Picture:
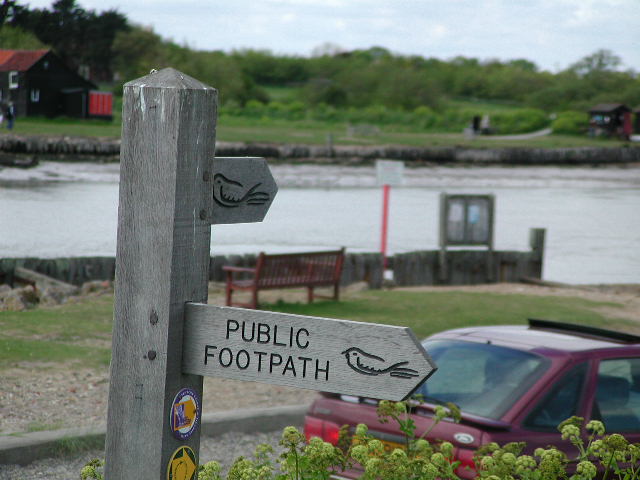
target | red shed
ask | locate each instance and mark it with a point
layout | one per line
(100, 104)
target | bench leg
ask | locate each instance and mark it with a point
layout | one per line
(254, 298)
(229, 293)
(310, 294)
(336, 292)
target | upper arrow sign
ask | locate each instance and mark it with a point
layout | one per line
(243, 189)
(340, 356)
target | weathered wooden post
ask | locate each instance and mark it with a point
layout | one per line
(171, 190)
(536, 242)
(168, 142)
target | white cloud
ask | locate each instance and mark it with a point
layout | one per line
(552, 33)
(340, 24)
(439, 31)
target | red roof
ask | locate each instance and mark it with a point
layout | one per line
(19, 60)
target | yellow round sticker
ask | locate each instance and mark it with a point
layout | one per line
(182, 464)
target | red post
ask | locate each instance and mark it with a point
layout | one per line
(385, 223)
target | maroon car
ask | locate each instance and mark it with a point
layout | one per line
(512, 383)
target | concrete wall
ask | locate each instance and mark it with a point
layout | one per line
(95, 149)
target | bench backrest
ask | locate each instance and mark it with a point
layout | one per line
(291, 269)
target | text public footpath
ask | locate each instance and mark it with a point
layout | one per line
(252, 358)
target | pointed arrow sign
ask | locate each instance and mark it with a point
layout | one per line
(340, 356)
(243, 190)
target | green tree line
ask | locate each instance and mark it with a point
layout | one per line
(328, 83)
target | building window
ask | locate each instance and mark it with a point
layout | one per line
(35, 95)
(84, 71)
(45, 64)
(13, 79)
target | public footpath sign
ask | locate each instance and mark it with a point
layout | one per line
(340, 356)
(165, 337)
(243, 190)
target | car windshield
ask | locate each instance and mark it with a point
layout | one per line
(481, 378)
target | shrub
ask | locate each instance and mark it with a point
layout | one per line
(422, 460)
(425, 117)
(570, 123)
(519, 121)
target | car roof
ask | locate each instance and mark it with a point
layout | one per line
(548, 335)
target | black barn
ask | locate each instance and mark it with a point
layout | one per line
(610, 119)
(38, 82)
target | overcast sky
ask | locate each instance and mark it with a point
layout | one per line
(551, 33)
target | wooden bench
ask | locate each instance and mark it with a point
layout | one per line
(313, 269)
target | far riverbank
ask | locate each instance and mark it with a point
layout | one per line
(28, 150)
(59, 210)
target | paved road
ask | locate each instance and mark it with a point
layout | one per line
(522, 136)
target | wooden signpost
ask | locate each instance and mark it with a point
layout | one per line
(243, 189)
(388, 173)
(165, 337)
(340, 356)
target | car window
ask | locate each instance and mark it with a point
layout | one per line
(481, 378)
(617, 401)
(560, 403)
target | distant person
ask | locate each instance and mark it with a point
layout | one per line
(485, 125)
(475, 123)
(10, 113)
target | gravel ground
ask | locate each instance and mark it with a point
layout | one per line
(224, 449)
(52, 397)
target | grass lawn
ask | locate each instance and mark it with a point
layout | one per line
(269, 130)
(232, 129)
(430, 312)
(80, 331)
(66, 127)
(308, 132)
(487, 106)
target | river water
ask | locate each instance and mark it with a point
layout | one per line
(592, 215)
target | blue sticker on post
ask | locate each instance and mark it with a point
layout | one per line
(185, 414)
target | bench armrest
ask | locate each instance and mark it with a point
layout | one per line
(228, 268)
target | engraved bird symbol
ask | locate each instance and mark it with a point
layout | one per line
(229, 193)
(369, 364)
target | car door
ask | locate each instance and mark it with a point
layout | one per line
(561, 400)
(616, 401)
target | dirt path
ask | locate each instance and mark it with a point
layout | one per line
(522, 136)
(50, 396)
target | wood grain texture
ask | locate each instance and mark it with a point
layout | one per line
(168, 140)
(341, 356)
